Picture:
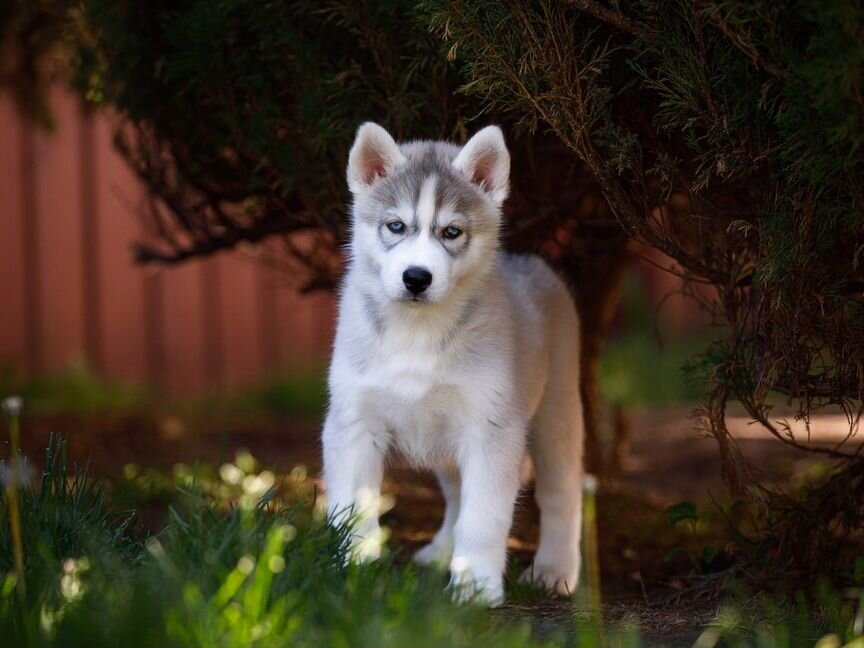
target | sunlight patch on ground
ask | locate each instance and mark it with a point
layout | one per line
(825, 428)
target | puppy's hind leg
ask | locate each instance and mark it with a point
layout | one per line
(440, 550)
(556, 450)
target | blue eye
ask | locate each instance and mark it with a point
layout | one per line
(397, 227)
(452, 232)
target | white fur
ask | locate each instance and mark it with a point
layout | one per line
(465, 382)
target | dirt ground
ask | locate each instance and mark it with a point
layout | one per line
(647, 564)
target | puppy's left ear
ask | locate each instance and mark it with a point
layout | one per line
(485, 160)
(373, 155)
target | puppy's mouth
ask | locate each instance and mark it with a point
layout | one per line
(408, 298)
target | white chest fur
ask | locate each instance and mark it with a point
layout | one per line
(417, 395)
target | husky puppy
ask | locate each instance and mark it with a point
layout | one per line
(460, 356)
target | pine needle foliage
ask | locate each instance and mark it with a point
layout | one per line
(243, 112)
(727, 135)
(31, 52)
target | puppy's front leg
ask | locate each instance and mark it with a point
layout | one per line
(490, 464)
(353, 470)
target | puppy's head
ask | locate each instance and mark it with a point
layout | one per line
(426, 215)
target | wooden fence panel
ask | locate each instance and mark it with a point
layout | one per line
(122, 323)
(182, 325)
(69, 213)
(59, 229)
(240, 294)
(13, 324)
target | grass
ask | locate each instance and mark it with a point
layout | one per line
(241, 563)
(75, 390)
(247, 558)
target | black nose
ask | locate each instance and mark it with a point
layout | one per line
(417, 279)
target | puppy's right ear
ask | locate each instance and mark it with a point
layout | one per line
(373, 155)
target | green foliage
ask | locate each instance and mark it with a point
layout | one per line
(31, 32)
(639, 368)
(235, 572)
(245, 110)
(858, 576)
(77, 389)
(66, 517)
(67, 514)
(242, 564)
(637, 372)
(301, 393)
(706, 561)
(762, 622)
(728, 136)
(748, 113)
(682, 512)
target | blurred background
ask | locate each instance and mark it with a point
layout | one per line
(71, 211)
(76, 302)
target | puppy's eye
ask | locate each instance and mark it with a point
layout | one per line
(397, 227)
(452, 232)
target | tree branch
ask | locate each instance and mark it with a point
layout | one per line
(262, 229)
(612, 16)
(759, 60)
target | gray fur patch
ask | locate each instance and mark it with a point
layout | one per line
(452, 190)
(462, 321)
(372, 311)
(456, 246)
(388, 239)
(360, 357)
(462, 197)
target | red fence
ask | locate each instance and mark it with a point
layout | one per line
(69, 212)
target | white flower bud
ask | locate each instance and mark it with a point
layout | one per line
(13, 405)
(20, 476)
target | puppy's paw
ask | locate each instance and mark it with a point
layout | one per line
(366, 550)
(435, 554)
(467, 586)
(367, 547)
(557, 581)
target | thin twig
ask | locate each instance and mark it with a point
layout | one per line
(613, 17)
